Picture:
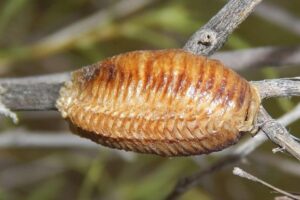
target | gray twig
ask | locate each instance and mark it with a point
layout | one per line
(278, 133)
(283, 87)
(249, 146)
(241, 173)
(32, 93)
(214, 34)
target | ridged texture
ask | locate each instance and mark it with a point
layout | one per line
(167, 102)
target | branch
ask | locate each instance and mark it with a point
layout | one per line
(239, 172)
(283, 87)
(183, 185)
(278, 133)
(32, 93)
(214, 34)
(252, 144)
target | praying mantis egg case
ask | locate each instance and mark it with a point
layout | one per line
(165, 102)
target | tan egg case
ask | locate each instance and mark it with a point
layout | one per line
(165, 102)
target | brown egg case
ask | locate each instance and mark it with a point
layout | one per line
(165, 102)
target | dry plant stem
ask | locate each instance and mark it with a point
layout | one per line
(32, 93)
(249, 146)
(283, 87)
(214, 34)
(239, 172)
(278, 133)
(183, 185)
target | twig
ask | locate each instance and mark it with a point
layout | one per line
(239, 172)
(32, 93)
(283, 87)
(241, 151)
(278, 133)
(260, 57)
(249, 146)
(214, 34)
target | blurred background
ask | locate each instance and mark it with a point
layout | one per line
(51, 36)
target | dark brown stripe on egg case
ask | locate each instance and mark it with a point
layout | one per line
(177, 84)
(231, 87)
(241, 96)
(212, 78)
(222, 87)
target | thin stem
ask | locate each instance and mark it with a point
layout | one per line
(214, 34)
(284, 87)
(241, 173)
(278, 133)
